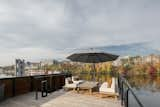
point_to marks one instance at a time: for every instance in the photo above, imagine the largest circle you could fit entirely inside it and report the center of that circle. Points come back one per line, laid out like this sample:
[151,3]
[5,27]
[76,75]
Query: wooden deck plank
[60,99]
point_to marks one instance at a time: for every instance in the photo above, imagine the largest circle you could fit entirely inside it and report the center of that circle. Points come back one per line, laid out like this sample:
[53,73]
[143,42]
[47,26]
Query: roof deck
[60,99]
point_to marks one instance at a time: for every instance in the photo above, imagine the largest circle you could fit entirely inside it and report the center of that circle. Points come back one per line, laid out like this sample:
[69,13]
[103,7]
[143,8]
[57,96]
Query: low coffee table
[87,86]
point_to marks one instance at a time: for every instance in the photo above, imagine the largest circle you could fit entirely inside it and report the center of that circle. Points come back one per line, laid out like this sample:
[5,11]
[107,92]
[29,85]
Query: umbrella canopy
[92,57]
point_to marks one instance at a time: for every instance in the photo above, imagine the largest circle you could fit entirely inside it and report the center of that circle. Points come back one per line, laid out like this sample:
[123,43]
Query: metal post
[119,85]
[127,98]
[94,72]
[122,93]
[44,88]
[2,88]
[36,90]
[13,87]
[36,94]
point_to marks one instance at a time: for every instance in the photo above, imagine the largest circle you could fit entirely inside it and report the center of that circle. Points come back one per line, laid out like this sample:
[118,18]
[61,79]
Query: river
[147,88]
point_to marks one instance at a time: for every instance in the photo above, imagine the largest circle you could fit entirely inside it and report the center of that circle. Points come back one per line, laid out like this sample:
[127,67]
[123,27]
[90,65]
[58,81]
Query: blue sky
[40,29]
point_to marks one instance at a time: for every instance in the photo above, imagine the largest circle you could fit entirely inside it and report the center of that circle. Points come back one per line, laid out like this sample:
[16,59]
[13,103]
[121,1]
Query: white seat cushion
[78,82]
[104,87]
[71,85]
[109,90]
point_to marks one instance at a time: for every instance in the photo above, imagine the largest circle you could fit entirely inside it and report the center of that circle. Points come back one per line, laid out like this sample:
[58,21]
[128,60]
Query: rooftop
[60,99]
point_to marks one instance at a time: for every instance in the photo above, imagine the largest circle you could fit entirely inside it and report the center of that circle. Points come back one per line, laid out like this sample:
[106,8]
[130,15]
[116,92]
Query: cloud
[53,26]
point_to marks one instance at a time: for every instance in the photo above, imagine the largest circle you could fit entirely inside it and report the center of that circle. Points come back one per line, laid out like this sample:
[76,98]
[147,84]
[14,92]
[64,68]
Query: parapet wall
[20,85]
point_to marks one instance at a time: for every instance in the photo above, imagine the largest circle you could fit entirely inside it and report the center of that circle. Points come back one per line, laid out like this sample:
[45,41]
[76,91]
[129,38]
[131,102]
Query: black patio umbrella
[92,57]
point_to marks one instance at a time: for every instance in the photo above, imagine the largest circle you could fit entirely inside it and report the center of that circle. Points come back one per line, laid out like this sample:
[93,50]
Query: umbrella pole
[94,72]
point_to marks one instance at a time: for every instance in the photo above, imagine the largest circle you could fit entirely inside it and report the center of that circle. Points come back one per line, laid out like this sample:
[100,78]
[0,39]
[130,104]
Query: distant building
[55,62]
[32,65]
[8,70]
[20,66]
[152,58]
[1,70]
[48,62]
[138,59]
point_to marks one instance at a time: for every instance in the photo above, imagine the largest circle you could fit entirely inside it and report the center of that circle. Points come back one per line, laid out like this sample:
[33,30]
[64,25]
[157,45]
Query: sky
[46,29]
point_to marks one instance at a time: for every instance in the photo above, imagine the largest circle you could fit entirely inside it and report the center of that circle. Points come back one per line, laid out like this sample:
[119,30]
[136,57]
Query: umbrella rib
[78,57]
[110,57]
[99,58]
[87,57]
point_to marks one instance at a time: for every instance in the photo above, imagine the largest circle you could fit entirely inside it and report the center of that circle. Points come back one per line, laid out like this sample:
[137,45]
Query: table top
[88,85]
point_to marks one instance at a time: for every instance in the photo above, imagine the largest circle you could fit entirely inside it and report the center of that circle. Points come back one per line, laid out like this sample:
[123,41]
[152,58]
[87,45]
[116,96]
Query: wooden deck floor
[60,99]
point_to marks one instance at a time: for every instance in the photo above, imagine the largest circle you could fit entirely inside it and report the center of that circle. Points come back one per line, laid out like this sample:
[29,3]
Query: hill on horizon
[133,49]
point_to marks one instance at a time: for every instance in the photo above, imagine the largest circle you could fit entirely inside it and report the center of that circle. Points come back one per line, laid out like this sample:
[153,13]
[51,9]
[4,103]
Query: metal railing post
[127,98]
[124,94]
[119,85]
[122,99]
[44,88]
[36,89]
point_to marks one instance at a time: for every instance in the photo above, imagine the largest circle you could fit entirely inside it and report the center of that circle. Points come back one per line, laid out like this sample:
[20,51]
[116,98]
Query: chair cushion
[71,86]
[78,82]
[75,78]
[104,88]
[68,81]
[104,85]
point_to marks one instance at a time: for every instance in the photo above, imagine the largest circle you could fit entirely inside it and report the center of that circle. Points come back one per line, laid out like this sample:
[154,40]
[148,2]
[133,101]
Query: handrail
[124,99]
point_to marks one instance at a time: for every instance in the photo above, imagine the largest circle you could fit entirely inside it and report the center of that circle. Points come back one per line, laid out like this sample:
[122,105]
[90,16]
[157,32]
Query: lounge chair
[105,90]
[69,84]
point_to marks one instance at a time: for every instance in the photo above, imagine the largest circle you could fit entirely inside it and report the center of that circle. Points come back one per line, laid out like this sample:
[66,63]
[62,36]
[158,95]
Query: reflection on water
[148,83]
[147,88]
[98,77]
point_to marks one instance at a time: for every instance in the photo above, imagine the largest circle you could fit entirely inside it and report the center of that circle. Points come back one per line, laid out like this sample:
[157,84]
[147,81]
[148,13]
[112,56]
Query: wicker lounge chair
[69,84]
[105,91]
